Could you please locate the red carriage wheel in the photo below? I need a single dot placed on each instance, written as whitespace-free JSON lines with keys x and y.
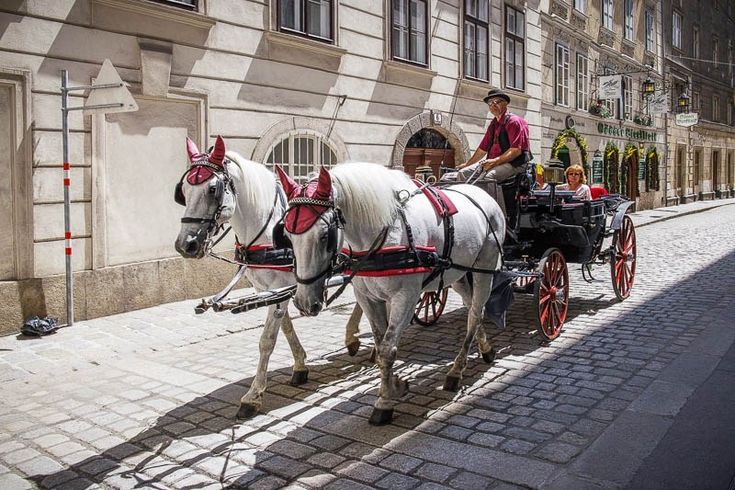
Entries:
{"x":551,"y":293}
{"x":622,"y":265}
{"x":430,"y":307}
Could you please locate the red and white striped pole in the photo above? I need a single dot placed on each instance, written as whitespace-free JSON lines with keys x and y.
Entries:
{"x":67,"y":184}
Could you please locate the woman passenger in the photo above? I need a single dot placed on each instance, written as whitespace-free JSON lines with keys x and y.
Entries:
{"x":577,"y":182}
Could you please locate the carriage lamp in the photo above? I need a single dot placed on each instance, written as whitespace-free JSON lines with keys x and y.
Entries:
{"x":648,"y":87}
{"x":682,"y":104}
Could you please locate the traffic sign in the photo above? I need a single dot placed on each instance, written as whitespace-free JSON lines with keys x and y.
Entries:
{"x":109,"y":93}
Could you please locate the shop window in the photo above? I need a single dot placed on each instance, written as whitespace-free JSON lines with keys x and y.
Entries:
{"x":627,"y":97}
{"x":515,"y":46}
{"x":409,"y":32}
{"x":476,"y":30}
{"x":310,"y":18}
{"x":300,"y":154}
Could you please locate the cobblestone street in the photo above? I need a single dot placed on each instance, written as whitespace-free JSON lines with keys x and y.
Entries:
{"x":147,"y":399}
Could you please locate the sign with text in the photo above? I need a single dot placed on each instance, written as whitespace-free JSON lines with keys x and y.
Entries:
{"x":610,"y":87}
{"x":628,"y":133}
{"x":658,"y":104}
{"x":597,"y":171}
{"x":642,"y":167}
{"x":687,"y":119}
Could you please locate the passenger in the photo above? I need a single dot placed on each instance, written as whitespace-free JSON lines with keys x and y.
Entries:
{"x":577,"y":182}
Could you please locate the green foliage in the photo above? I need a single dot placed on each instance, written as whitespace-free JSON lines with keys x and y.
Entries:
{"x":652,"y":167}
{"x":611,"y":166}
{"x":561,"y":141}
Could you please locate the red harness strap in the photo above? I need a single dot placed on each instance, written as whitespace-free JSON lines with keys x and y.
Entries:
{"x":395,"y":271}
{"x":261,"y":247}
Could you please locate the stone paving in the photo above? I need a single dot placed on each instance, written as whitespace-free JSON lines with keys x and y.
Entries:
{"x":147,"y":399}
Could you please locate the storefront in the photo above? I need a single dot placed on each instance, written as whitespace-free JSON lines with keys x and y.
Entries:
{"x":622,"y":156}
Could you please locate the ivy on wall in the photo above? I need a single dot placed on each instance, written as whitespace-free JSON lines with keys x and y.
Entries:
{"x":652,"y":175}
{"x":561,"y":141}
{"x":630,"y":160}
{"x":611,"y":165}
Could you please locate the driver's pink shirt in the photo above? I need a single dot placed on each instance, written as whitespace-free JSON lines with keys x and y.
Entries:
{"x":517,"y":129}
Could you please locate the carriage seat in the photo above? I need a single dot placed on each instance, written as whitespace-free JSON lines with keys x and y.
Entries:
{"x":598,"y":192}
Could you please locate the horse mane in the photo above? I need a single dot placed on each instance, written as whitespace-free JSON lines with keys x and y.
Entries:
{"x":367,"y":192}
{"x":257,"y":186}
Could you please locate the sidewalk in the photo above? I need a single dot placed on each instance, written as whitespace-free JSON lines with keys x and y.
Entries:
{"x":643,"y":218}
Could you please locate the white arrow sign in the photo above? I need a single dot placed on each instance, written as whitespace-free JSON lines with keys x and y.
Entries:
{"x":109,"y":93}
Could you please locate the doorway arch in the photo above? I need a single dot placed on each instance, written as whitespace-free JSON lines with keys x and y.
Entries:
{"x":435,"y":121}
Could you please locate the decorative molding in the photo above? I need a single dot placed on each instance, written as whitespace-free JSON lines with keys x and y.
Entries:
{"x":398,"y":67}
{"x":299,"y":124}
{"x":559,"y":9}
{"x":627,"y":48}
{"x":304,"y":44}
{"x":578,"y":20}
{"x":454,"y":134}
{"x":606,"y":36}
{"x":162,"y":12}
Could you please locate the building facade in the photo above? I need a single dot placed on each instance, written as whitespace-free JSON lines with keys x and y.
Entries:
{"x":618,"y":139}
{"x":698,"y":62}
{"x":298,"y":83}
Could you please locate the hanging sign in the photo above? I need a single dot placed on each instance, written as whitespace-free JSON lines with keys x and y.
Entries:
{"x":642,"y":166}
{"x":658,"y":104}
{"x":610,"y":87}
{"x":687,"y":119}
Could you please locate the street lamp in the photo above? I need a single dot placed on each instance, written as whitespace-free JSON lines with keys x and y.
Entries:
{"x":648,"y":87}
{"x":682,"y":104}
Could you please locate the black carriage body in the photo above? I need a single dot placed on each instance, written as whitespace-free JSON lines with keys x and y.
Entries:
{"x":575,"y":227}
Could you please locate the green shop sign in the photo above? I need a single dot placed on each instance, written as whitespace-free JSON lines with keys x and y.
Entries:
{"x":629,"y":133}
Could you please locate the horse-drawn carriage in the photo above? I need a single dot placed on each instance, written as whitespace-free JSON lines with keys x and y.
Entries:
{"x":397,"y":239}
{"x":547,"y":230}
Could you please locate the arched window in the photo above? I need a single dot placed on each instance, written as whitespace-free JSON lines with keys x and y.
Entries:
{"x":299,"y":153}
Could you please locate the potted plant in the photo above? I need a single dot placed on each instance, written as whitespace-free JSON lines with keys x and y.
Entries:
{"x":598,"y":108}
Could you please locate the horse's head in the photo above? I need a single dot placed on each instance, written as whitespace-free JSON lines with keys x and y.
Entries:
{"x":312,"y":226}
{"x":207,"y":192}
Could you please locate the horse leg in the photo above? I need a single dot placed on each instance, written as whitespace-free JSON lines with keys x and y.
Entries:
{"x":377,"y":314}
{"x":300,"y":373}
{"x":464,"y":289}
{"x":481,"y":287}
{"x":253,"y":399}
{"x":391,"y":387}
{"x":353,"y":328}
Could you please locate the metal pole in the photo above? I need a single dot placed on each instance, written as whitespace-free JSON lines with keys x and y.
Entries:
{"x":67,"y":183}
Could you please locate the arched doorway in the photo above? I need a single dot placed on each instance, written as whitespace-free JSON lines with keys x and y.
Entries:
{"x":716,"y":173}
{"x":427,"y":147}
{"x":630,"y":172}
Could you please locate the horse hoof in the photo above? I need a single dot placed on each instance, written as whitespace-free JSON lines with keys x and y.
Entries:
{"x":247,"y":411}
{"x":381,"y":416}
{"x":353,"y":348}
{"x":299,"y":377}
{"x":451,"y":383}
{"x":489,"y":356}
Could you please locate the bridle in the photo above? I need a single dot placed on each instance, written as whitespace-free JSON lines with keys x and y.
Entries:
{"x":224,"y":181}
{"x":333,"y":226}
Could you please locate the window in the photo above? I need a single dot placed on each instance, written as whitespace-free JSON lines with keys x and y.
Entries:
{"x":410,"y":23}
{"x":696,"y":101}
{"x":649,"y":31}
{"x":187,"y":4}
{"x":695,"y":42}
{"x":627,"y":97}
{"x":515,"y":31}
{"x":607,"y":9}
{"x":579,"y":5}
{"x":310,"y":18}
{"x":729,"y":113}
{"x":676,"y":30}
{"x":562,"y":75}
{"x":715,"y":50}
{"x":715,"y":108}
{"x":583,"y":85}
{"x":476,"y":17}
{"x":299,"y":154}
{"x":629,"y":32}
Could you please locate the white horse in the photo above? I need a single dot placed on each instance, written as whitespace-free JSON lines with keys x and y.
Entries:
{"x":362,"y":202}
{"x":224,"y":187}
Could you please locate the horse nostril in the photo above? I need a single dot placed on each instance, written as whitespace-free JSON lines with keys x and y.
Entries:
{"x":192,"y":248}
{"x":316,"y":308}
